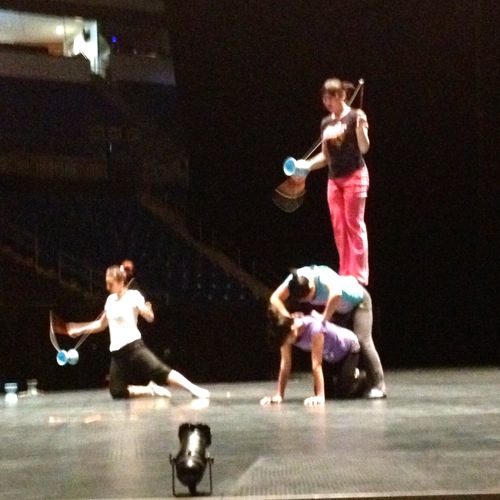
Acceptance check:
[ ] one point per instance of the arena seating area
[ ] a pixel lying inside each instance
(98, 230)
(79, 119)
(191, 294)
(51, 117)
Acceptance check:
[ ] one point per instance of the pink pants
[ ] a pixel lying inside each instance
(346, 201)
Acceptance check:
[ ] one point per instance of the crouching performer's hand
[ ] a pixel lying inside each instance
(269, 400)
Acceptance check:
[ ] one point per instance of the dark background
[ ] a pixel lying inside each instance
(249, 74)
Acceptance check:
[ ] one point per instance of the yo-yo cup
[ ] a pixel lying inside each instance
(291, 166)
(73, 356)
(62, 357)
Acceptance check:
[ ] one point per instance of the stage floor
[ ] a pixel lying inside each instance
(437, 435)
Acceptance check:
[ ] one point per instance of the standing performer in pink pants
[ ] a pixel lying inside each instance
(344, 134)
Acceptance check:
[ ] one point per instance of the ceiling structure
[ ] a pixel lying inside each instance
(23, 28)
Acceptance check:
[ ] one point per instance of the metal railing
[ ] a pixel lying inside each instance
(27, 249)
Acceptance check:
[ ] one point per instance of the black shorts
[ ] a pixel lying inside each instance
(135, 364)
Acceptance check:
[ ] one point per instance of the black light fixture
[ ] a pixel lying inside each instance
(192, 459)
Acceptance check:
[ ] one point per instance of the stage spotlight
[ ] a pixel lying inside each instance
(192, 459)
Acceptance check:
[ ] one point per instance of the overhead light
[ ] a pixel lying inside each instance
(59, 30)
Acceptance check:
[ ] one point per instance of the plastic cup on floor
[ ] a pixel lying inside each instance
(31, 387)
(10, 392)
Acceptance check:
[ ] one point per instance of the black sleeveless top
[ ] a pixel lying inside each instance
(345, 156)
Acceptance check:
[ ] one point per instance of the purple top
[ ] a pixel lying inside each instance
(338, 341)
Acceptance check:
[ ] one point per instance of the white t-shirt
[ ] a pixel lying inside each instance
(122, 314)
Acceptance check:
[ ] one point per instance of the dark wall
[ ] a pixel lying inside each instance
(249, 74)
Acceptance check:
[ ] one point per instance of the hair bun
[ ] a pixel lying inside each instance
(127, 265)
(127, 268)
